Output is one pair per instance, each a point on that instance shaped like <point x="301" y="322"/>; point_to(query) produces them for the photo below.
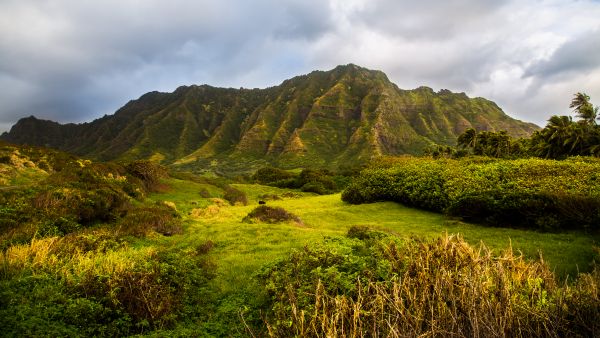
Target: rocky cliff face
<point x="340" y="116"/>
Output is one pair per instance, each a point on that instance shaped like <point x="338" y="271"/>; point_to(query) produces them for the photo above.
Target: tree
<point x="488" y="143"/>
<point x="468" y="139"/>
<point x="553" y="140"/>
<point x="563" y="137"/>
<point x="584" y="109"/>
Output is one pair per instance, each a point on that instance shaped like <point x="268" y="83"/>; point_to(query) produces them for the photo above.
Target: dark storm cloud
<point x="74" y="60"/>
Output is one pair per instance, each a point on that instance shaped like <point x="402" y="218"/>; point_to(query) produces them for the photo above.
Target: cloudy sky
<point x="76" y="60"/>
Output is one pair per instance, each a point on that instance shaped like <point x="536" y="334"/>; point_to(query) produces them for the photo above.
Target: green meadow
<point x="247" y="246"/>
<point x="104" y="249"/>
<point x="242" y="249"/>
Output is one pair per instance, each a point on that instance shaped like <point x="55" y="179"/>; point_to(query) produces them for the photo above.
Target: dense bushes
<point x="76" y="193"/>
<point x="387" y="288"/>
<point x="272" y="176"/>
<point x="158" y="218"/>
<point x="149" y="172"/>
<point x="93" y="285"/>
<point x="67" y="263"/>
<point x="535" y="193"/>
<point x="319" y="181"/>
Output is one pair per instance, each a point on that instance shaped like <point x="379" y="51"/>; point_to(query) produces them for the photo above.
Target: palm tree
<point x="502" y="140"/>
<point x="576" y="140"/>
<point x="468" y="139"/>
<point x="584" y="109"/>
<point x="555" y="137"/>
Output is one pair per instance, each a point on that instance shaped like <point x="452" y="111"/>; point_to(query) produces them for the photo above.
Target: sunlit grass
<point x="242" y="248"/>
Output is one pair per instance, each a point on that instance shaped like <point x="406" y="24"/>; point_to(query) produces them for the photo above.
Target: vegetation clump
<point x="269" y="197"/>
<point x="235" y="196"/>
<point x="533" y="193"/>
<point x="74" y="194"/>
<point x="390" y="288"/>
<point x="53" y="287"/>
<point x="272" y="176"/>
<point x="149" y="172"/>
<point x="267" y="214"/>
<point x="159" y="218"/>
<point x="319" y="181"/>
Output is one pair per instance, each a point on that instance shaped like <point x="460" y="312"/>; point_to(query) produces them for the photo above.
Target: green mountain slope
<point x="328" y="118"/>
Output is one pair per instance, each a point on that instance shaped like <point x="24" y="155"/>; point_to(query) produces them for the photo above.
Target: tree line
<point x="560" y="138"/>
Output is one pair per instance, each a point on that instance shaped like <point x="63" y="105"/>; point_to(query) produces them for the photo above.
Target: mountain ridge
<point x="343" y="115"/>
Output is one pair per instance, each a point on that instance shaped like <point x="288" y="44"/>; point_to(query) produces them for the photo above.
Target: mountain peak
<point x="324" y="118"/>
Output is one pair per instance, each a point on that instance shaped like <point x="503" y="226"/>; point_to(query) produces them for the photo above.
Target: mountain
<point x="344" y="115"/>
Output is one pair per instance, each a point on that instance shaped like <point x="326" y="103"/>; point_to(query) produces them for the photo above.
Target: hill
<point x="348" y="114"/>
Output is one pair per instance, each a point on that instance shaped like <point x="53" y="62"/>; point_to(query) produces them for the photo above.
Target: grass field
<point x="81" y="257"/>
<point x="241" y="249"/>
<point x="249" y="245"/>
<point x="228" y="299"/>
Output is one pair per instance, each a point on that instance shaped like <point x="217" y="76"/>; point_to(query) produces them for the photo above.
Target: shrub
<point x="204" y="193"/>
<point x="385" y="288"/>
<point x="320" y="181"/>
<point x="58" y="227"/>
<point x="150" y="173"/>
<point x="267" y="197"/>
<point x="268" y="214"/>
<point x="235" y="196"/>
<point x="269" y="175"/>
<point x="159" y="218"/>
<point x="363" y="232"/>
<point x="315" y="187"/>
<point x="533" y="193"/>
<point x="115" y="295"/>
<point x="84" y="205"/>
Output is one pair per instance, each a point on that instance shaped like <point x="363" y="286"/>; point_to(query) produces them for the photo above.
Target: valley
<point x="335" y="204"/>
<point x="214" y="260"/>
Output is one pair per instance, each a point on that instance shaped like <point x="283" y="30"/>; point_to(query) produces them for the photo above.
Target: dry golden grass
<point x="209" y="211"/>
<point x="447" y="288"/>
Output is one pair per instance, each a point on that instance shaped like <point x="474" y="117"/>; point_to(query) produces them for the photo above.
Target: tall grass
<point x="439" y="288"/>
<point x="128" y="290"/>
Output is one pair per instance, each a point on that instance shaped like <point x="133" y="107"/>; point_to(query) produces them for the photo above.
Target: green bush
<point x="269" y="175"/>
<point x="42" y="305"/>
<point x="149" y="172"/>
<point x="363" y="232"/>
<point x="315" y="187"/>
<point x="58" y="227"/>
<point x="149" y="294"/>
<point x="233" y="196"/>
<point x="319" y="181"/>
<point x="159" y="218"/>
<point x="269" y="214"/>
<point x="533" y="193"/>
